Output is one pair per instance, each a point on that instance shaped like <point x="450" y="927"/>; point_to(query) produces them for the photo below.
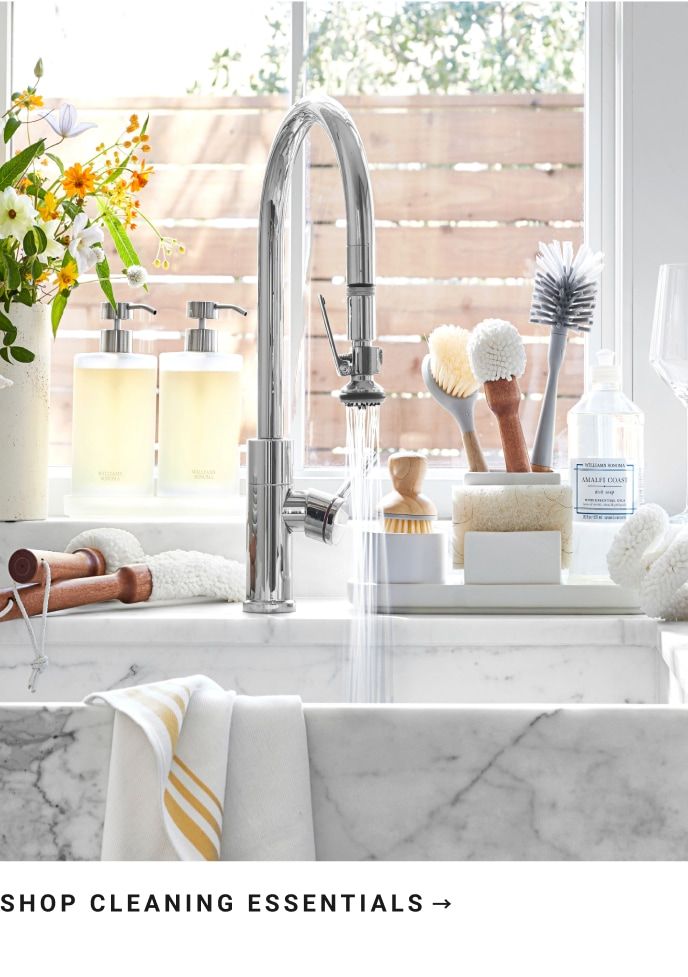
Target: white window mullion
<point x="5" y="64"/>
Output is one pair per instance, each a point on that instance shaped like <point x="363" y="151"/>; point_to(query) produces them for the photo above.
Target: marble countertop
<point x="318" y="622"/>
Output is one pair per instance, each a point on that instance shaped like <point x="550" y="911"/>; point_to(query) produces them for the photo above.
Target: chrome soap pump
<point x="200" y="411"/>
<point x="113" y="421"/>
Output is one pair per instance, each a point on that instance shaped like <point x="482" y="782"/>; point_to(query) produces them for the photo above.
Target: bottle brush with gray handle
<point x="564" y="296"/>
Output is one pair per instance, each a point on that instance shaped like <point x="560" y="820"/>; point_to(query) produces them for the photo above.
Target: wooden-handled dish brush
<point x="450" y="380"/>
<point x="130" y="585"/>
<point x="564" y="297"/>
<point x="405" y="509"/>
<point x="498" y="359"/>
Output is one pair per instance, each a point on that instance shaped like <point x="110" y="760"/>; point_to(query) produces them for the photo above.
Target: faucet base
<point x="268" y="606"/>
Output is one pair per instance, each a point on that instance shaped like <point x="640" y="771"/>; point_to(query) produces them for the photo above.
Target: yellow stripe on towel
<point x="197" y="780"/>
<point x="164" y="713"/>
<point x="195" y="803"/>
<point x="191" y="831"/>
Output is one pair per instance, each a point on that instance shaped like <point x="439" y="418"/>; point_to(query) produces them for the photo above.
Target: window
<point x="472" y="119"/>
<point x="210" y="137"/>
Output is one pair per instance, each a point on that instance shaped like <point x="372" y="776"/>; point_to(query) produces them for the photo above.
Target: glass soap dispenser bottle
<point x="113" y="422"/>
<point x="605" y="434"/>
<point x="200" y="412"/>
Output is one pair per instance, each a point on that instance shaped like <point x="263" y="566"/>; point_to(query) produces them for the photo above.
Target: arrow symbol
<point x="444" y="903"/>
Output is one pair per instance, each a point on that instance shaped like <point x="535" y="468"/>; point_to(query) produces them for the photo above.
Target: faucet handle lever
<point x="342" y="363"/>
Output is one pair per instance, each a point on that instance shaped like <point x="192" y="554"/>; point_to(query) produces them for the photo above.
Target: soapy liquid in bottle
<point x="113" y="430"/>
<point x="200" y="417"/>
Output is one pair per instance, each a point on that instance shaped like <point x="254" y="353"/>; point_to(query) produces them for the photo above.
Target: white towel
<point x="197" y="773"/>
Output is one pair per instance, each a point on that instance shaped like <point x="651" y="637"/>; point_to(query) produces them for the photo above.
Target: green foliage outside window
<point x="417" y="48"/>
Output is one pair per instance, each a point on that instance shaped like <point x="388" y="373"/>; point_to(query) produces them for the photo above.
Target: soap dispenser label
<point x="604" y="489"/>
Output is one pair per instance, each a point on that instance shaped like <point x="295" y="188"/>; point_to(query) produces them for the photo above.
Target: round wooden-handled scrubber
<point x="406" y="509"/>
<point x="498" y="359"/>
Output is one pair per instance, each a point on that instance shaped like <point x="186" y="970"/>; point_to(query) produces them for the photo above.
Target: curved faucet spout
<point x="360" y="243"/>
<point x="275" y="510"/>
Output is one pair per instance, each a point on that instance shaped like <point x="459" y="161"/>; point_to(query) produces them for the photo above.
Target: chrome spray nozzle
<point x="365" y="359"/>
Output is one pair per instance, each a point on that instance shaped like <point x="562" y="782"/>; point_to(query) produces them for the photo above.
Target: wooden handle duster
<point x="25" y="565"/>
<point x="131" y="585"/>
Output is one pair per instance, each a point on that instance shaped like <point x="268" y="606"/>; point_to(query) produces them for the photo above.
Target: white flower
<point x="64" y="123"/>
<point x="4" y="382"/>
<point x="137" y="276"/>
<point x="17" y="214"/>
<point x="85" y="242"/>
<point x="53" y="249"/>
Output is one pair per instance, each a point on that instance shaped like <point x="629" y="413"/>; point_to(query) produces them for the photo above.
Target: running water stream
<point x="369" y="667"/>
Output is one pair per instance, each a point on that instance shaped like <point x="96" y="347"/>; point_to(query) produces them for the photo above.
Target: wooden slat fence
<point x="465" y="187"/>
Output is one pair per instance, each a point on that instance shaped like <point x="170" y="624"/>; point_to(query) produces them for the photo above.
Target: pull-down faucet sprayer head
<point x="365" y="359"/>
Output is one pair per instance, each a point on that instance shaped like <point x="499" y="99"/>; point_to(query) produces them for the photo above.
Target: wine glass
<point x="669" y="344"/>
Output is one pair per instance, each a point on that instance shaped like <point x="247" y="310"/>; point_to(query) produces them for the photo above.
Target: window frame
<point x="607" y="214"/>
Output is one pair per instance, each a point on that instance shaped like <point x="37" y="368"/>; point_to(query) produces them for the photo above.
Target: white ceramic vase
<point x="24" y="408"/>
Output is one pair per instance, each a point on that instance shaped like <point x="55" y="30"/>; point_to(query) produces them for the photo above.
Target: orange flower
<point x="78" y="181"/>
<point x="28" y="100"/>
<point x="66" y="276"/>
<point x="140" y="177"/>
<point x="48" y="209"/>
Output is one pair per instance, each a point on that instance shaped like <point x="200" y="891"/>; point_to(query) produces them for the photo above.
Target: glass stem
<point x="686" y="508"/>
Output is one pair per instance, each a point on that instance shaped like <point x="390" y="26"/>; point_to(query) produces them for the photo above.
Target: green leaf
<point x="13" y="168"/>
<point x="5" y="354"/>
<point x="57" y="161"/>
<point x="10" y="335"/>
<point x="21" y="354"/>
<point x="30" y="243"/>
<point x="120" y="238"/>
<point x="144" y="127"/>
<point x="103" y="270"/>
<point x="5" y="323"/>
<point x="59" y="304"/>
<point x="11" y="127"/>
<point x="13" y="278"/>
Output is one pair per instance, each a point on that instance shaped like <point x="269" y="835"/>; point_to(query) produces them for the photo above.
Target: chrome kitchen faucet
<point x="275" y="508"/>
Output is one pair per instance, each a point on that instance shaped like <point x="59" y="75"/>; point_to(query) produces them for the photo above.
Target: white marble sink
<point x="401" y="782"/>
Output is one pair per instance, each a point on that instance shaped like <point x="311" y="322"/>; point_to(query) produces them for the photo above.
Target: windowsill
<point x="439" y="485"/>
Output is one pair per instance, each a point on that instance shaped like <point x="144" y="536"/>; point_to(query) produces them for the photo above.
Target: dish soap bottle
<point x="605" y="433"/>
<point x="113" y="422"/>
<point x="200" y="412"/>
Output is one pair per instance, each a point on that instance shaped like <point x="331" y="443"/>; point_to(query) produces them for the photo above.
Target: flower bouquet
<point x="54" y="219"/>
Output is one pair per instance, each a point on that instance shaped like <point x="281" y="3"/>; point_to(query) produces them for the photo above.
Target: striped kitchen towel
<point x="200" y="774"/>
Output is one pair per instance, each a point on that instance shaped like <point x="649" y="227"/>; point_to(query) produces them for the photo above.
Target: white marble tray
<point x="456" y="597"/>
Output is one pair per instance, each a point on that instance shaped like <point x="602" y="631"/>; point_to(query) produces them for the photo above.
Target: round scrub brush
<point x="448" y="376"/>
<point x="564" y="296"/>
<point x="406" y="509"/>
<point x="498" y="358"/>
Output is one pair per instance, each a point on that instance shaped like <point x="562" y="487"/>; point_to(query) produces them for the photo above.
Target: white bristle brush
<point x="498" y="358"/>
<point x="448" y="376"/>
<point x="564" y="297"/>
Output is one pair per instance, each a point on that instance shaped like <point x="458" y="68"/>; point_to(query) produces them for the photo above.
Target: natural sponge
<point x="496" y="351"/>
<point x="449" y="362"/>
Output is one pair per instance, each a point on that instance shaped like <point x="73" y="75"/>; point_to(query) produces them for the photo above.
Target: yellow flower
<point x="77" y="181"/>
<point x="66" y="276"/>
<point x="48" y="208"/>
<point x="28" y="100"/>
